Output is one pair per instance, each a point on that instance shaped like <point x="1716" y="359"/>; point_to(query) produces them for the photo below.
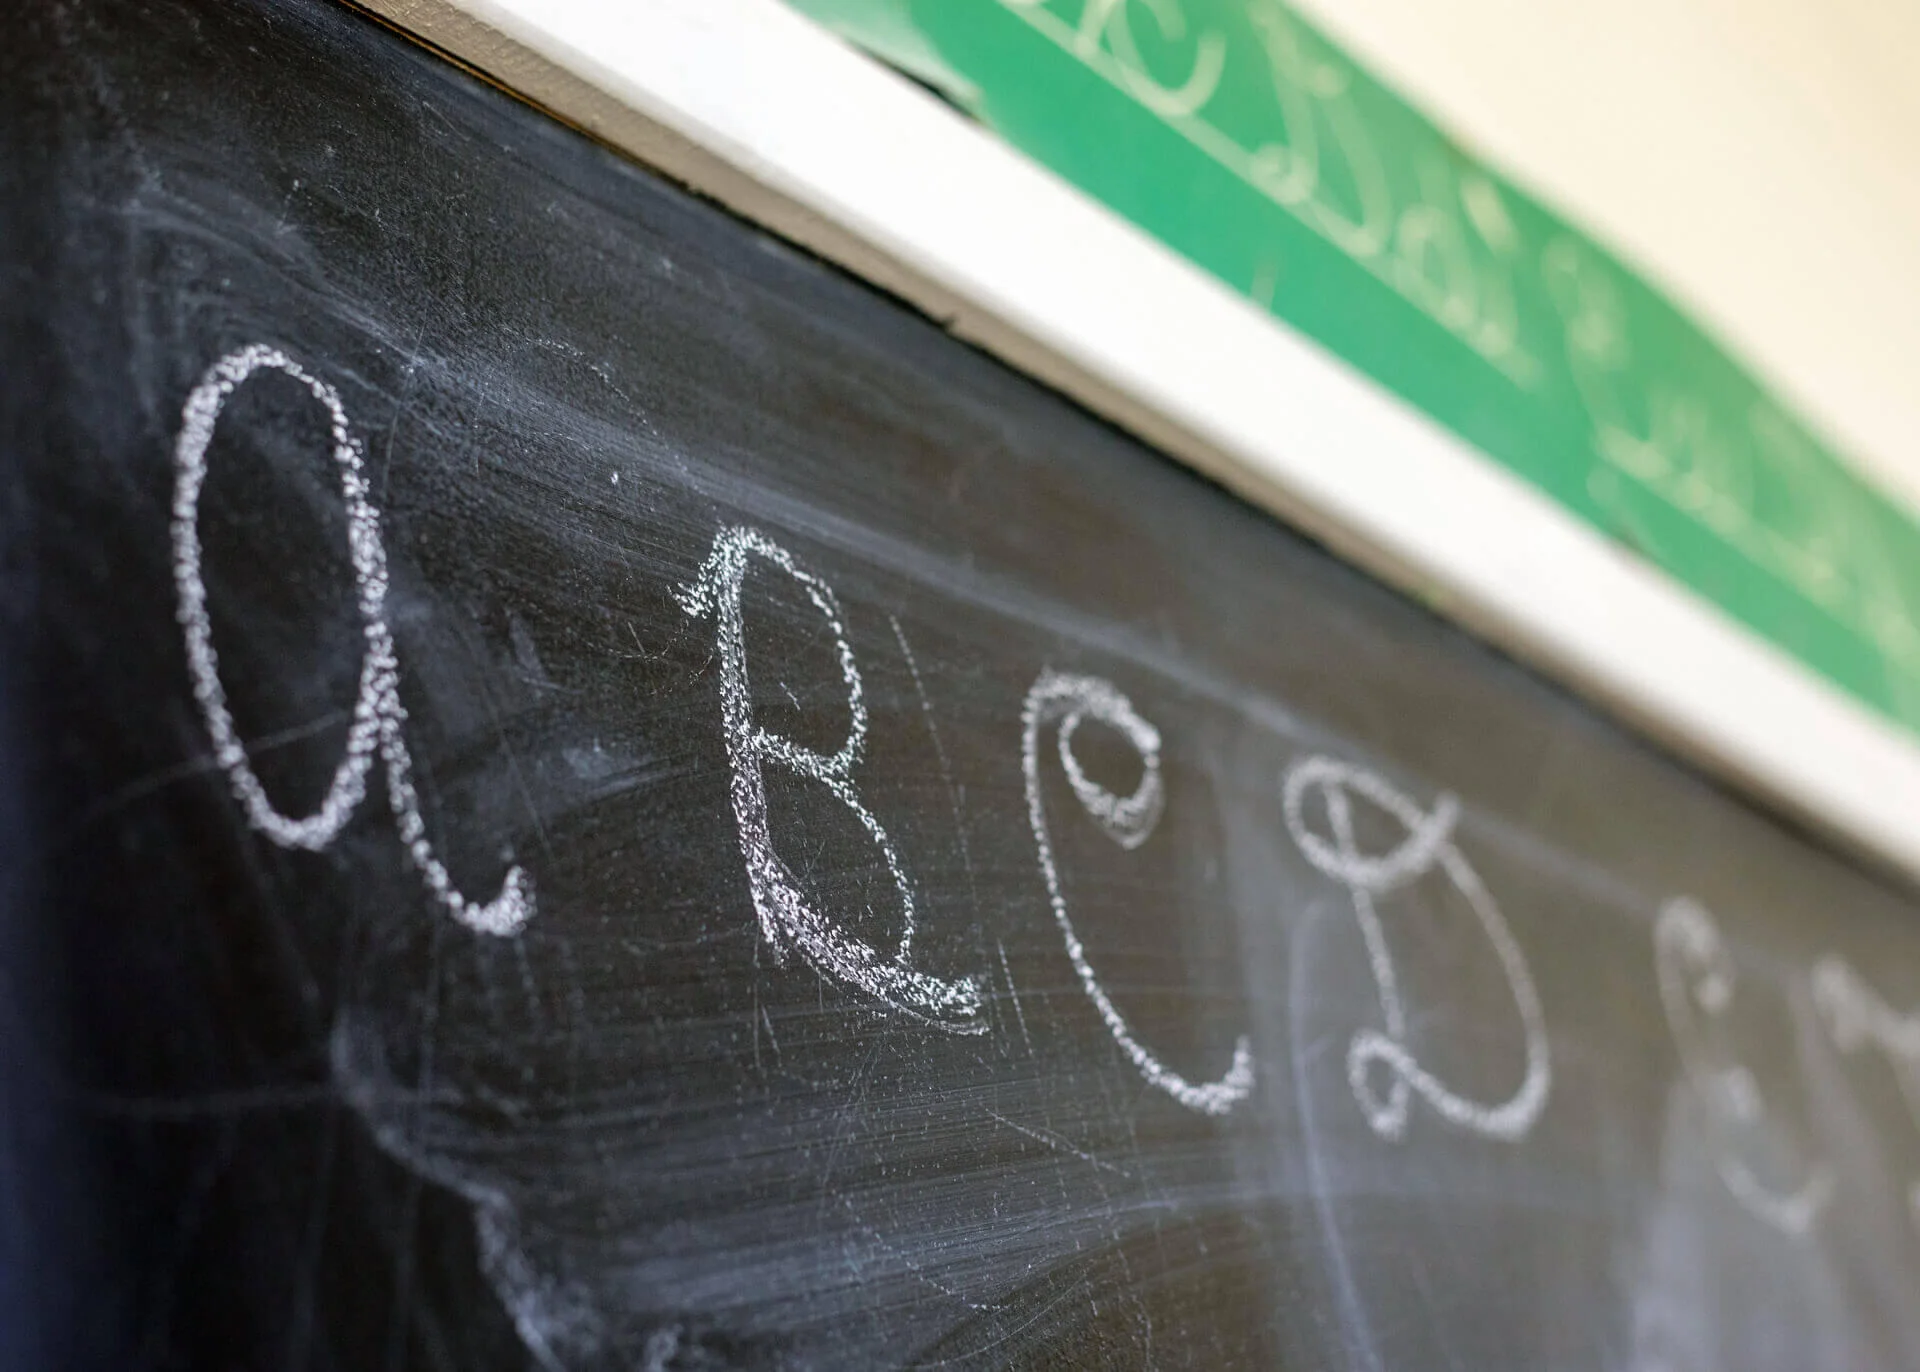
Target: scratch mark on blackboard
<point x="1059" y="1144"/>
<point x="486" y="968"/>
<point x="913" y="1268"/>
<point x="642" y="655"/>
<point x="758" y="1068"/>
<point x="580" y="1034"/>
<point x="300" y="1338"/>
<point x="393" y="426"/>
<point x="1346" y="1292"/>
<point x="519" y="777"/>
<point x="955" y="792"/>
<point x="160" y="778"/>
<point x="402" y="402"/>
<point x="531" y="670"/>
<point x="536" y="1016"/>
<point x="406" y="1229"/>
<point x="1080" y="1286"/>
<point x="1013" y="994"/>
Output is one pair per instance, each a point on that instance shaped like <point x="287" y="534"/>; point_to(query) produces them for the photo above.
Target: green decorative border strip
<point x="1240" y="137"/>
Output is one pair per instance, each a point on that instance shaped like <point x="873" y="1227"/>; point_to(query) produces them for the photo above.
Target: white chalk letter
<point x="1429" y="843"/>
<point x="1696" y="983"/>
<point x="1856" y="1017"/>
<point x="378" y="715"/>
<point x="1127" y="820"/>
<point x="787" y="918"/>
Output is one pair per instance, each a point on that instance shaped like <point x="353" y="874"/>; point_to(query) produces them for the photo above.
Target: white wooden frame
<point x="752" y="104"/>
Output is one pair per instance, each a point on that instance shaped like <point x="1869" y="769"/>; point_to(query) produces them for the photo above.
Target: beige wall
<point x="1758" y="158"/>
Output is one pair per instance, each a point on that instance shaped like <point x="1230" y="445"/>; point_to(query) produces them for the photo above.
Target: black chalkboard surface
<point x="586" y="792"/>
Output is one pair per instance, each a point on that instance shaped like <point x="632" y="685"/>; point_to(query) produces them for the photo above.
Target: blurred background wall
<point x="1760" y="159"/>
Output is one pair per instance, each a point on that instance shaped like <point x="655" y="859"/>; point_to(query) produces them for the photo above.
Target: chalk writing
<point x="1697" y="982"/>
<point x="788" y="919"/>
<point x="1370" y="878"/>
<point x="1857" y="1018"/>
<point x="1128" y="821"/>
<point x="378" y="715"/>
<point x="1712" y="466"/>
<point x="1292" y="131"/>
<point x="1107" y="19"/>
<point x="1319" y="797"/>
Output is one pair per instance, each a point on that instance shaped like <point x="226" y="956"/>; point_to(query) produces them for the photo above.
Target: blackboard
<point x="587" y="792"/>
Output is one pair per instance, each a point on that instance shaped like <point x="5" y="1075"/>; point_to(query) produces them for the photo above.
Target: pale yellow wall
<point x="1759" y="158"/>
